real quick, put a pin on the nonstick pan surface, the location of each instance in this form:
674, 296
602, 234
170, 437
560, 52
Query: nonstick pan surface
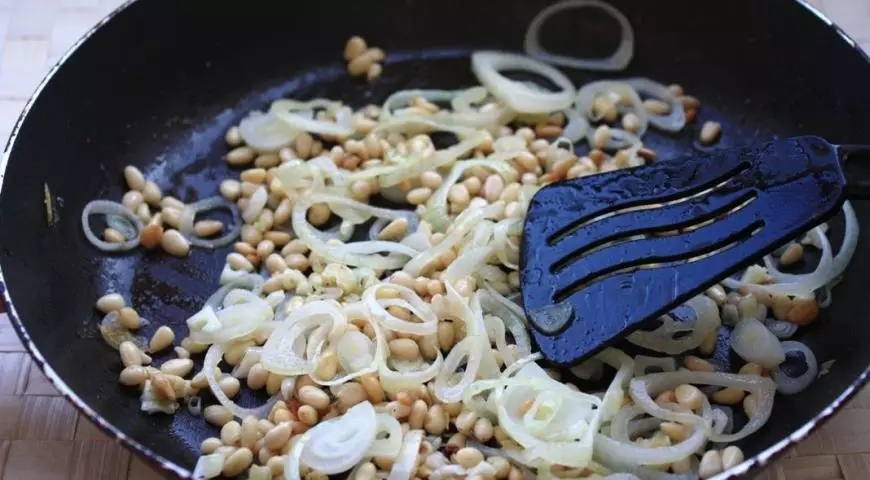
157, 85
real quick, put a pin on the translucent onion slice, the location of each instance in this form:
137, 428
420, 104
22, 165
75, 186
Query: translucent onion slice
122, 225
234, 321
295, 346
513, 316
209, 466
469, 350
391, 444
115, 334
407, 299
642, 363
675, 119
518, 96
780, 328
755, 343
357, 254
188, 216
336, 445
210, 363
576, 127
465, 222
265, 132
285, 110
406, 461
662, 339
407, 378
625, 96
105, 207
436, 208
607, 448
788, 385
251, 358
617, 61
643, 389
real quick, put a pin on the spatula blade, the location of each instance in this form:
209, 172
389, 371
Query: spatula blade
602, 254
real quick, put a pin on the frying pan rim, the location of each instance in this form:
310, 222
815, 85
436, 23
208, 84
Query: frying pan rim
759, 460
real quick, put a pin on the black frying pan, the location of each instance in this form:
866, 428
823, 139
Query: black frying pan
158, 84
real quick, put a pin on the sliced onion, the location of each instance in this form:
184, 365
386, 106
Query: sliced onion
122, 225
675, 119
296, 344
780, 328
357, 254
643, 362
513, 317
406, 461
391, 445
412, 377
248, 281
212, 358
234, 321
662, 339
755, 343
787, 385
436, 208
617, 61
643, 389
286, 110
336, 445
188, 216
468, 350
518, 96
115, 334
209, 466
619, 448
465, 222
251, 358
407, 299
265, 132
105, 207
576, 127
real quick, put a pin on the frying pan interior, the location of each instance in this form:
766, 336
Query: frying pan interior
159, 83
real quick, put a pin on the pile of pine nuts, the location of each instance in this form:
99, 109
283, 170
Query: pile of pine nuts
261, 444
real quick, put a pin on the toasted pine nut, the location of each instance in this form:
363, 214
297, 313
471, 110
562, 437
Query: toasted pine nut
207, 228
240, 156
656, 107
355, 47
110, 302
217, 415
728, 396
689, 396
238, 462
134, 375
177, 366
163, 338
792, 254
468, 457
230, 189
395, 230
313, 396
134, 178
731, 457
162, 387
677, 432
601, 136
129, 318
711, 464
710, 132
174, 243
419, 196
804, 311
130, 355
374, 72
697, 364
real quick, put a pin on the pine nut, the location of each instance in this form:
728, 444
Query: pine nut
233, 136
207, 228
446, 335
731, 457
134, 178
404, 348
350, 394
605, 108
307, 415
631, 122
696, 364
162, 387
468, 457
278, 436
229, 385
677, 432
710, 132
217, 415
492, 188
782, 305
313, 396
419, 196
240, 156
265, 248
483, 430
230, 189
751, 369
174, 243
682, 466
793, 254
728, 396
130, 355
355, 47
436, 420
110, 302
711, 464
373, 388
132, 199
163, 338
238, 462
750, 405
134, 375
129, 318
253, 175
689, 396
374, 72
151, 236
656, 107
465, 422
708, 345
151, 193
395, 230
601, 136
360, 65
804, 311
548, 131
177, 366
717, 294
209, 445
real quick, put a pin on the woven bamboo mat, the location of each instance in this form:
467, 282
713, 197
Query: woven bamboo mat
42, 437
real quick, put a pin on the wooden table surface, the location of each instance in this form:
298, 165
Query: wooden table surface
42, 437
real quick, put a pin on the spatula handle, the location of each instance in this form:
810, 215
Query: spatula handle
855, 161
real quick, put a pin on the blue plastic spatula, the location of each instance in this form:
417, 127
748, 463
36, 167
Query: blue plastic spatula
602, 254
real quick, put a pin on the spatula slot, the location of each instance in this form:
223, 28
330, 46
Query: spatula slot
647, 203
653, 224
660, 261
